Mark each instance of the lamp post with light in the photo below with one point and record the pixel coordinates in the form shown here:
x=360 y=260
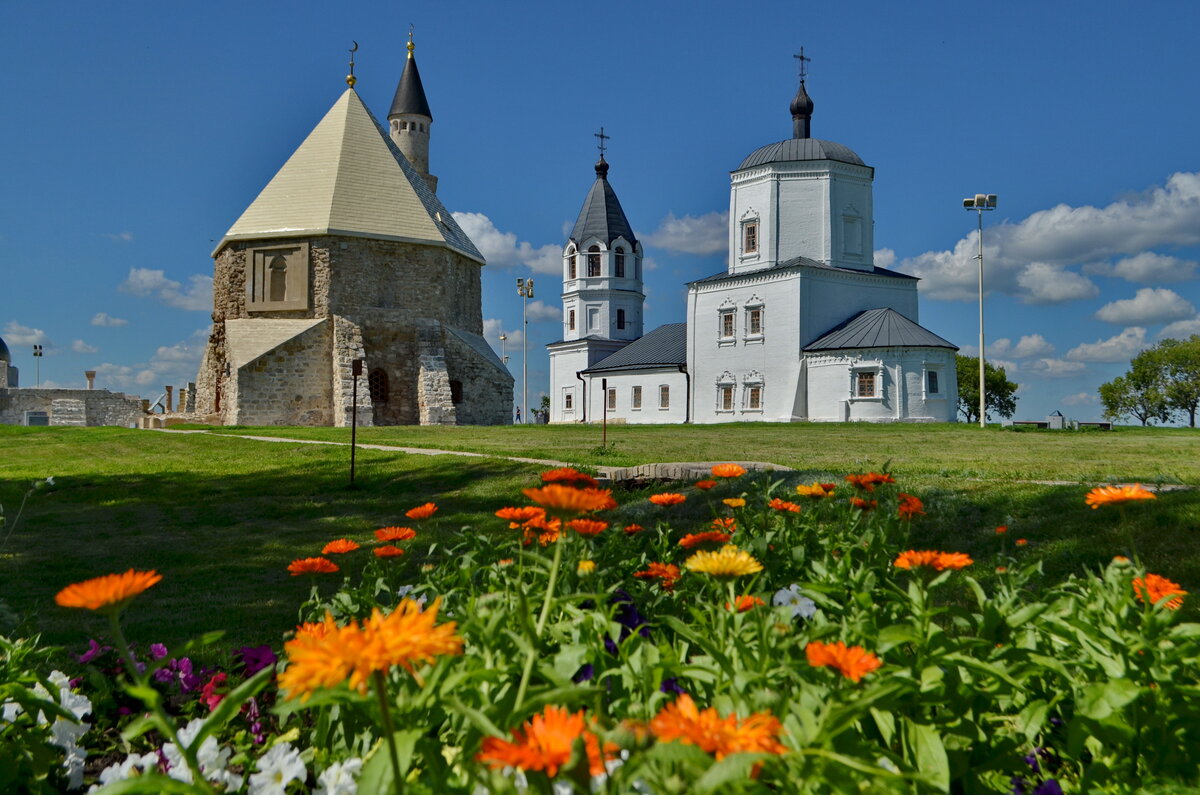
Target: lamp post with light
x=503 y=358
x=37 y=355
x=980 y=202
x=525 y=290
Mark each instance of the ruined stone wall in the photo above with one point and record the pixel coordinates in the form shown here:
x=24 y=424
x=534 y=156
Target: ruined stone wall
x=487 y=388
x=92 y=407
x=289 y=385
x=348 y=346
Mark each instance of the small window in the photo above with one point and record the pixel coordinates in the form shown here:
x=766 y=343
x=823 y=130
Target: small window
x=725 y=397
x=593 y=260
x=727 y=322
x=620 y=263
x=664 y=397
x=750 y=238
x=571 y=263
x=456 y=392
x=621 y=318
x=754 y=397
x=377 y=384
x=568 y=401
x=593 y=319
x=278 y=286
x=571 y=320
x=635 y=398
x=931 y=379
x=754 y=321
x=865 y=385
x=612 y=398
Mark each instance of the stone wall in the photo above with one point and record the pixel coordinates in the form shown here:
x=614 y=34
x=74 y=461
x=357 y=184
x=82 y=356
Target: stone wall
x=288 y=385
x=487 y=387
x=91 y=407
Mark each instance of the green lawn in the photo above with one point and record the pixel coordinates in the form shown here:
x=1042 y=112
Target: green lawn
x=222 y=517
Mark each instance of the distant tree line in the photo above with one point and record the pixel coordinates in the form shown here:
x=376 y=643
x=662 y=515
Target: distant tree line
x=1163 y=384
x=1001 y=394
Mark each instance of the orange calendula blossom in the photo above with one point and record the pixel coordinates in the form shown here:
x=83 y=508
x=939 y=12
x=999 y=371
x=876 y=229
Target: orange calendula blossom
x=339 y=546
x=735 y=502
x=783 y=505
x=726 y=563
x=545 y=742
x=556 y=496
x=1115 y=495
x=1153 y=588
x=709 y=537
x=939 y=561
x=728 y=471
x=421 y=511
x=110 y=592
x=744 y=603
x=388 y=551
x=312 y=566
x=705 y=485
x=520 y=514
x=868 y=481
x=816 y=491
x=852 y=662
x=588 y=527
x=633 y=529
x=667 y=498
x=665 y=573
x=682 y=721
x=864 y=505
x=387 y=534
x=910 y=506
x=544 y=531
x=569 y=475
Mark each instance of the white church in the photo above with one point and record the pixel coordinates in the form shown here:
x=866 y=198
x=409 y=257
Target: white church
x=800 y=326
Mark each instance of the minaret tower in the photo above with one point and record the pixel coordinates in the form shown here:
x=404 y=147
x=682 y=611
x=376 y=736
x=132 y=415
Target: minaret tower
x=409 y=119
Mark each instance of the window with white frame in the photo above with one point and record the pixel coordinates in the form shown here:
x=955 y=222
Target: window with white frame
x=865 y=385
x=593 y=319
x=754 y=397
x=612 y=398
x=571 y=263
x=728 y=320
x=635 y=398
x=619 y=263
x=570 y=319
x=754 y=321
x=750 y=237
x=620 y=318
x=568 y=401
x=725 y=397
x=593 y=260
x=664 y=396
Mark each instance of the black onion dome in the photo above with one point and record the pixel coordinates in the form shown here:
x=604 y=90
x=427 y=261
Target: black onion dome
x=5 y=356
x=802 y=103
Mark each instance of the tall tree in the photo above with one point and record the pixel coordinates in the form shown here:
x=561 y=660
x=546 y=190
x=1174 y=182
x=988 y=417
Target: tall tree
x=1139 y=393
x=1001 y=398
x=1179 y=361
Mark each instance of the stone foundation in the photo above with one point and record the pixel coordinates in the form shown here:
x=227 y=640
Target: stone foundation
x=78 y=407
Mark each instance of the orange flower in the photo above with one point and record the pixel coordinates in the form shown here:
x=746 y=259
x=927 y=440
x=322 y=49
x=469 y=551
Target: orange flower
x=587 y=527
x=728 y=471
x=710 y=537
x=312 y=566
x=1120 y=559
x=524 y=513
x=816 y=491
x=317 y=629
x=910 y=506
x=783 y=505
x=1002 y=529
x=351 y=653
x=504 y=562
x=853 y=662
x=939 y=561
x=1021 y=542
x=569 y=475
x=705 y=485
x=388 y=551
x=110 y=592
x=633 y=529
x=869 y=481
x=545 y=742
x=565 y=498
x=421 y=511
x=667 y=498
x=1115 y=495
x=665 y=573
x=864 y=505
x=735 y=502
x=1155 y=588
x=339 y=546
x=681 y=721
x=1001 y=569
x=395 y=533
x=745 y=603
x=725 y=524
x=546 y=531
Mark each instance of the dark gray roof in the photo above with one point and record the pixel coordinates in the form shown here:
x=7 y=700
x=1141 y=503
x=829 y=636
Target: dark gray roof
x=878 y=328
x=801 y=149
x=796 y=263
x=602 y=216
x=5 y=356
x=410 y=95
x=480 y=346
x=666 y=346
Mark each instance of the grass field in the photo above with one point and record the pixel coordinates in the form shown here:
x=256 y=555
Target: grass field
x=221 y=517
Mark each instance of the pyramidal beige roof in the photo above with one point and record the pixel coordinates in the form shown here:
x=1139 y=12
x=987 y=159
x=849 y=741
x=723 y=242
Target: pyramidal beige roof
x=348 y=178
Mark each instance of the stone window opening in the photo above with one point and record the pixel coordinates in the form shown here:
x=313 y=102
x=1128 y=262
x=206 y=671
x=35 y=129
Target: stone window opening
x=571 y=262
x=278 y=284
x=864 y=384
x=621 y=319
x=593 y=260
x=664 y=396
x=377 y=385
x=568 y=401
x=754 y=397
x=456 y=391
x=635 y=397
x=754 y=321
x=612 y=398
x=620 y=263
x=931 y=383
x=571 y=320
x=750 y=237
x=727 y=324
x=725 y=397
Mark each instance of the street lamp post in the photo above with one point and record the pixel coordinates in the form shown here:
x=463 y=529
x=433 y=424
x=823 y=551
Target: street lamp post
x=980 y=202
x=503 y=358
x=525 y=290
x=37 y=356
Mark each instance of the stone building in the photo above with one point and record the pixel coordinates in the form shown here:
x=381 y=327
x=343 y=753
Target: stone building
x=347 y=254
x=35 y=406
x=801 y=325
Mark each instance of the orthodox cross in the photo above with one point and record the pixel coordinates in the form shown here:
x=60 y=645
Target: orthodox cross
x=803 y=64
x=601 y=146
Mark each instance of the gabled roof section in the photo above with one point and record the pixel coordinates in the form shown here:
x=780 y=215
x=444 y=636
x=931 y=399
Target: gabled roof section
x=666 y=346
x=348 y=178
x=878 y=328
x=602 y=216
x=797 y=263
x=410 y=94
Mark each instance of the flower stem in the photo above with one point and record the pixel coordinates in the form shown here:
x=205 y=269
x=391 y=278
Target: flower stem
x=389 y=728
x=541 y=624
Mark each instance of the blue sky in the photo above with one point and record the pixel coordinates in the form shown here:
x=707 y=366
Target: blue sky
x=136 y=133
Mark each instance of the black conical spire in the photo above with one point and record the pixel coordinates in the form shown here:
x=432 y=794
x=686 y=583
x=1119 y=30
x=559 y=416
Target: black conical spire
x=410 y=94
x=601 y=216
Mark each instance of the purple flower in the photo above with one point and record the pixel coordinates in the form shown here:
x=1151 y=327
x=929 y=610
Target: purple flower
x=163 y=675
x=671 y=685
x=157 y=651
x=94 y=651
x=1031 y=759
x=584 y=674
x=255 y=658
x=627 y=615
x=1048 y=787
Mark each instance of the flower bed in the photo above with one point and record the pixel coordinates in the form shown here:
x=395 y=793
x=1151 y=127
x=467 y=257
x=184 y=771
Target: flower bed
x=789 y=642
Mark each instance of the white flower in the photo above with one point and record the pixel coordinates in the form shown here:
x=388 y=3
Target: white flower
x=277 y=768
x=339 y=778
x=134 y=764
x=212 y=758
x=404 y=590
x=793 y=597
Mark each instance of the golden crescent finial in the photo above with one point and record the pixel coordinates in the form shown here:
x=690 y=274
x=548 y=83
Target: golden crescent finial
x=411 y=46
x=350 y=78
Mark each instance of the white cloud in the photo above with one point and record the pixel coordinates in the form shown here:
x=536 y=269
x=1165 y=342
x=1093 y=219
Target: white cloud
x=79 y=346
x=1055 y=368
x=1081 y=399
x=1151 y=268
x=16 y=334
x=197 y=296
x=1043 y=246
x=693 y=234
x=1120 y=348
x=1150 y=306
x=493 y=328
x=1029 y=345
x=503 y=250
x=120 y=237
x=885 y=257
x=538 y=310
x=1008 y=367
x=170 y=364
x=105 y=319
x=1181 y=329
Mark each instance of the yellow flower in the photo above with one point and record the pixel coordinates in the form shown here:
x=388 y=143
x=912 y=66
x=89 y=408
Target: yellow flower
x=734 y=502
x=728 y=562
x=586 y=567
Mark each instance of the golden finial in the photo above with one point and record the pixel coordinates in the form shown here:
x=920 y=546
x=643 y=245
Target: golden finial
x=411 y=46
x=350 y=78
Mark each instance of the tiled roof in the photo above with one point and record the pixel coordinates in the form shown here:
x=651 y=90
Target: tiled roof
x=666 y=346
x=878 y=328
x=601 y=216
x=797 y=263
x=797 y=149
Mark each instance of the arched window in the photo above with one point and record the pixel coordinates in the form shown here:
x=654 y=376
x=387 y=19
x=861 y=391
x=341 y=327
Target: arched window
x=593 y=260
x=278 y=282
x=377 y=383
x=571 y=262
x=455 y=392
x=571 y=320
x=620 y=318
x=620 y=264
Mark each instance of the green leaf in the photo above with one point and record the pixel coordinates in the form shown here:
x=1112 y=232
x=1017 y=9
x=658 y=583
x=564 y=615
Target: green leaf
x=406 y=741
x=731 y=769
x=153 y=783
x=1099 y=700
x=1024 y=615
x=886 y=722
x=927 y=753
x=1032 y=719
x=895 y=635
